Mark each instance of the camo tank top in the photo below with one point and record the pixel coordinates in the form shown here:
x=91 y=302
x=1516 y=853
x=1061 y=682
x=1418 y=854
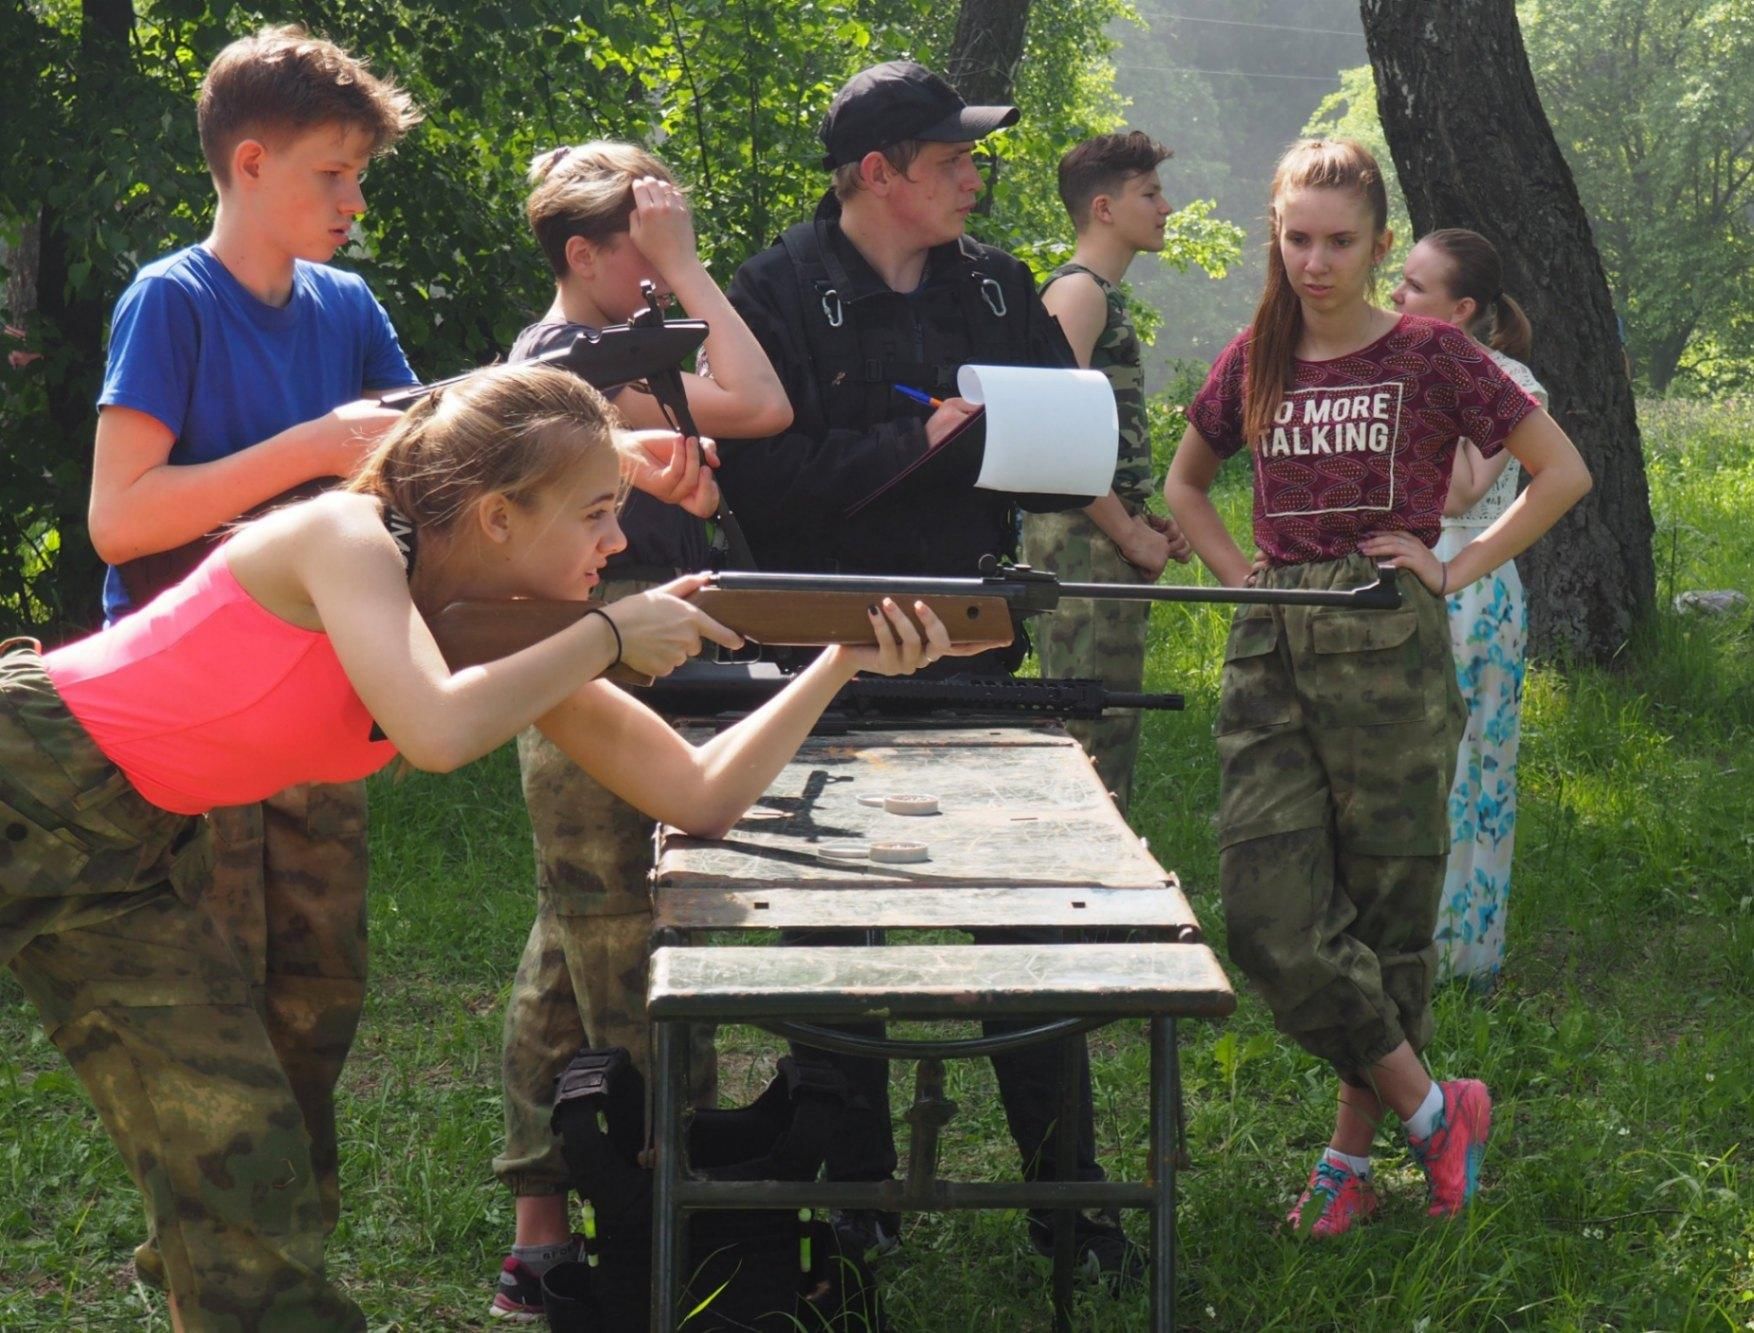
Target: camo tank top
x=1116 y=355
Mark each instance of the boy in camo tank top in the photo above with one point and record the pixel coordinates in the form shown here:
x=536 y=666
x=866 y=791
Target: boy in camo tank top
x=1111 y=189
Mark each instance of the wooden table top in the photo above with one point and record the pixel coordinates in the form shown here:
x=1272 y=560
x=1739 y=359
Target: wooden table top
x=1019 y=806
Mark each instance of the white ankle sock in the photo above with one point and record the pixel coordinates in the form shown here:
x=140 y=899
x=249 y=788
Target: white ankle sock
x=1358 y=1166
x=540 y=1258
x=1424 y=1120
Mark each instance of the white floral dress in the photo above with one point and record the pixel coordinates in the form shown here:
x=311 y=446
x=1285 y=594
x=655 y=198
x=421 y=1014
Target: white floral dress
x=1489 y=628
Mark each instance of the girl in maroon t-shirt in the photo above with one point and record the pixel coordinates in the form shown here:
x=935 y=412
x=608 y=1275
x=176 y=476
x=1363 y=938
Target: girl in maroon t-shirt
x=1337 y=729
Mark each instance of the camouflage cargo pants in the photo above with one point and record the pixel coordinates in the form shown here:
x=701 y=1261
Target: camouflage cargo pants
x=289 y=892
x=1104 y=640
x=582 y=976
x=142 y=993
x=1337 y=733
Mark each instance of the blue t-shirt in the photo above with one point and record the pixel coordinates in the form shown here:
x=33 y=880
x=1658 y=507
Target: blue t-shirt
x=223 y=371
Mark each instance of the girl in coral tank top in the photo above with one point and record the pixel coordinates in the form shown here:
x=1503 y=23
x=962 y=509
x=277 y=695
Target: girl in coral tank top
x=297 y=652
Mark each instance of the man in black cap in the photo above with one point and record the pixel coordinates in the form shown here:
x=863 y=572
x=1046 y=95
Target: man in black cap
x=882 y=293
x=864 y=310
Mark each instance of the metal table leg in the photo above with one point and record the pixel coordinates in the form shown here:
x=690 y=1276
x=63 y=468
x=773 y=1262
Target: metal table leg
x=1166 y=1098
x=669 y=1234
x=1065 y=1220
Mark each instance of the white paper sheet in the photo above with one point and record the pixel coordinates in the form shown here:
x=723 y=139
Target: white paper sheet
x=1051 y=431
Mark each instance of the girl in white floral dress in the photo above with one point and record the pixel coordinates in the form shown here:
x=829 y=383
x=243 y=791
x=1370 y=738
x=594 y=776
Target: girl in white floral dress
x=1455 y=275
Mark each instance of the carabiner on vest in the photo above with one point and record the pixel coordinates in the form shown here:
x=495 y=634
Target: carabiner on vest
x=993 y=295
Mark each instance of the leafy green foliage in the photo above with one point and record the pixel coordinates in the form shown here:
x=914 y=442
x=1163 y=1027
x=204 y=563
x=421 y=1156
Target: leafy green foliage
x=1650 y=101
x=102 y=149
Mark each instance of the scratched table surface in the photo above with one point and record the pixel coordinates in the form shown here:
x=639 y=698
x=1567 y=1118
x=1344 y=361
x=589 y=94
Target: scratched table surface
x=1018 y=806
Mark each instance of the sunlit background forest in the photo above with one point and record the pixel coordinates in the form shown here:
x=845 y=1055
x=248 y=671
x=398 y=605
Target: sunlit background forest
x=1650 y=100
x=1617 y=1195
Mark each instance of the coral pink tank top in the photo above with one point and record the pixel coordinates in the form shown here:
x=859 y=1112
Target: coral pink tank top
x=204 y=698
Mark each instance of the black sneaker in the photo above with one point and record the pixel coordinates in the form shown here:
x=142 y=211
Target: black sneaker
x=1100 y=1247
x=867 y=1232
x=517 y=1294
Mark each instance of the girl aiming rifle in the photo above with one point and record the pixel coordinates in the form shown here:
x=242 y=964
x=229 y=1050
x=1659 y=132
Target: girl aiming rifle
x=279 y=660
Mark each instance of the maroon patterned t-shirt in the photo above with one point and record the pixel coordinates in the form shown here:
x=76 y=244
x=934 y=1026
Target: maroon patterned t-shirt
x=1363 y=443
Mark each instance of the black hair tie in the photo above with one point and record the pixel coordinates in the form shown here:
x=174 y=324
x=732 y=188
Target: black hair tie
x=614 y=629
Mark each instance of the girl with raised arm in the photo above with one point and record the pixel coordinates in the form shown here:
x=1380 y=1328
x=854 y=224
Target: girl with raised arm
x=1337 y=729
x=1456 y=275
x=607 y=217
x=298 y=652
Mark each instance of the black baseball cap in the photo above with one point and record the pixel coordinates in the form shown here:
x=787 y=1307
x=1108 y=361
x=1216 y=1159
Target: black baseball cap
x=900 y=100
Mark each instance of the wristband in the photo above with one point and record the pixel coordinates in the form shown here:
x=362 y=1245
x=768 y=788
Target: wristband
x=614 y=629
x=1442 y=591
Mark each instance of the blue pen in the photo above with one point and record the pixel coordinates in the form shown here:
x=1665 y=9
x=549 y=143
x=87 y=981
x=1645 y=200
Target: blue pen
x=919 y=396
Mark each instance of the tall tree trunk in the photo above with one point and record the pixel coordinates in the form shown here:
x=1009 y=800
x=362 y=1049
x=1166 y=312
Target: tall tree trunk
x=76 y=311
x=1664 y=358
x=983 y=60
x=1473 y=148
x=987 y=47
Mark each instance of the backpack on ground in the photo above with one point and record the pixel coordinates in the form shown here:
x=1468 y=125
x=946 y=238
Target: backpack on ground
x=766 y=1271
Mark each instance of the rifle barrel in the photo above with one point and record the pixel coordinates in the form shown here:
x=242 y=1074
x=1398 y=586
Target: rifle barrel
x=1032 y=590
x=1165 y=702
x=1383 y=595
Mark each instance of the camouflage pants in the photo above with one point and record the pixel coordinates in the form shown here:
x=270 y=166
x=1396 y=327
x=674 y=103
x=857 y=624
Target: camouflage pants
x=289 y=892
x=582 y=977
x=1337 y=733
x=100 y=922
x=1103 y=640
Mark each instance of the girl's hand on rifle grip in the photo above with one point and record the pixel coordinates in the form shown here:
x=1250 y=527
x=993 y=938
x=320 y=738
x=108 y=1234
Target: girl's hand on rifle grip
x=661 y=629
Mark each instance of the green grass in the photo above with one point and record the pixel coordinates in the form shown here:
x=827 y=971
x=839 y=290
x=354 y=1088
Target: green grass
x=1620 y=1045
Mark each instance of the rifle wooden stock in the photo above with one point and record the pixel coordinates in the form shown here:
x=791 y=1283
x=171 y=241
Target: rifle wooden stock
x=472 y=632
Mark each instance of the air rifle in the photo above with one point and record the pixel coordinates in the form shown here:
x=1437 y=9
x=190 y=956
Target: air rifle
x=647 y=349
x=704 y=690
x=813 y=610
x=606 y=358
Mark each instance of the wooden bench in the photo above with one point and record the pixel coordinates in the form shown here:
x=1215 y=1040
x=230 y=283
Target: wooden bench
x=1026 y=837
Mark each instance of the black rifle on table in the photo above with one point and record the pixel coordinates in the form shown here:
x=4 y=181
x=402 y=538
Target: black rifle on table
x=707 y=691
x=648 y=350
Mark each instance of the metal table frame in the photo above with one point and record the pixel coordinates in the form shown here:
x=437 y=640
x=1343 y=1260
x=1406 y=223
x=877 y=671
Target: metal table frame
x=1145 y=992
x=921 y=1190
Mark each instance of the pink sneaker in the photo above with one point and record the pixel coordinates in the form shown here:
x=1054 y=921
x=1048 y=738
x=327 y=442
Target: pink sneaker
x=1451 y=1155
x=1345 y=1197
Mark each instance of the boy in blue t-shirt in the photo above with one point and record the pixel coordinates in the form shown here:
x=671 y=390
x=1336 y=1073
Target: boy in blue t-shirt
x=239 y=369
